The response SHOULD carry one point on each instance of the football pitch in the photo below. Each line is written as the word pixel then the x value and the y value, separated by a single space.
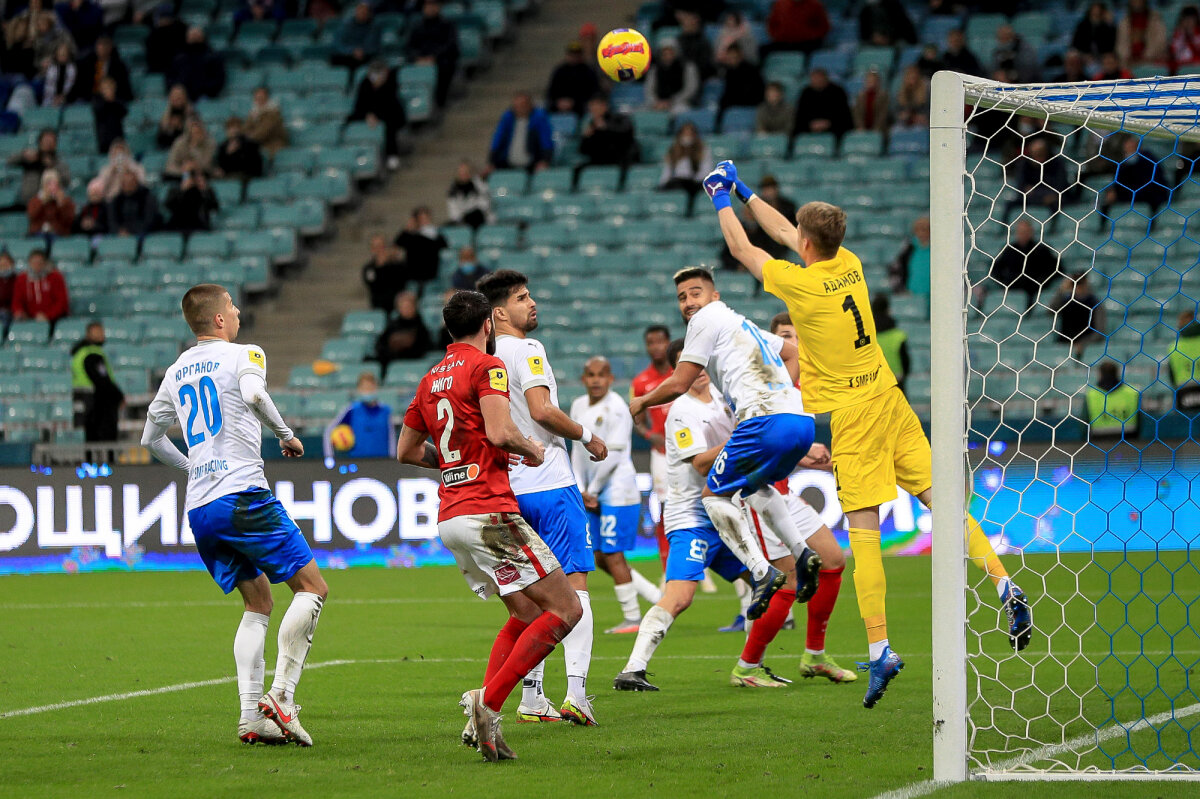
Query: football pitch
pixel 396 648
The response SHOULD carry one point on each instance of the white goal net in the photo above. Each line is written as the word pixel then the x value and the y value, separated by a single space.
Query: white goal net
pixel 1066 277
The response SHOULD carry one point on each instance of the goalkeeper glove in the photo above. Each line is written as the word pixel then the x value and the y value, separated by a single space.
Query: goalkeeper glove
pixel 717 184
pixel 744 192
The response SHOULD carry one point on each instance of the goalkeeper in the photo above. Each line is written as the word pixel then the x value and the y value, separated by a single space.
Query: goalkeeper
pixel 877 438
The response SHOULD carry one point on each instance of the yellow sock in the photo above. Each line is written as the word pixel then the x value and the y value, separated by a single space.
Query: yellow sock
pixel 980 551
pixel 870 583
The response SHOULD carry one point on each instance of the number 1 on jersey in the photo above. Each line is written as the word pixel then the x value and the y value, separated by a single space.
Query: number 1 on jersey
pixel 446 412
pixel 863 339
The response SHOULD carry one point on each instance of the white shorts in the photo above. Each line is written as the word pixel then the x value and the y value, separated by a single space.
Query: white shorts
pixel 497 553
pixel 807 522
pixel 658 474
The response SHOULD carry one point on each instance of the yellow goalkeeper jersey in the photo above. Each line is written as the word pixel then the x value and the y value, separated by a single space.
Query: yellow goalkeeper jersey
pixel 841 363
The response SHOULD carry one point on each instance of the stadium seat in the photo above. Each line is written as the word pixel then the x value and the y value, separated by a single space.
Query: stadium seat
pixel 738 120
pixel 344 349
pixel 552 181
pixel 497 236
pixel 363 323
pixel 163 245
pixel 641 178
pixel 508 182
pixel 879 59
pixel 769 145
pixel 705 120
pixel 72 248
pixel 599 179
pixel 863 143
pixel 651 123
pixel 117 248
pixel 667 203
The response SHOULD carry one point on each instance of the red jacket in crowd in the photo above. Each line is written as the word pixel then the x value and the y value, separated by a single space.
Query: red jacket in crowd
pixel 798 21
pixel 45 296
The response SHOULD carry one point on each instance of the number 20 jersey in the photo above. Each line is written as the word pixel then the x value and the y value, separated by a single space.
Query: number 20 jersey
pixel 224 437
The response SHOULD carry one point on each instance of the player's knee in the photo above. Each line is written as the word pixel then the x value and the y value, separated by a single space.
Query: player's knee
pixel 571 610
pixel 260 604
pixel 836 559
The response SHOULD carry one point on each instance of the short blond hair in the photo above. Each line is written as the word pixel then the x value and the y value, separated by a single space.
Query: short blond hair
pixel 824 225
pixel 201 304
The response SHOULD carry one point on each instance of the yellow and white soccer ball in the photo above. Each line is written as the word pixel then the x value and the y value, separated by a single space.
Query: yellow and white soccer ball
pixel 624 54
pixel 342 438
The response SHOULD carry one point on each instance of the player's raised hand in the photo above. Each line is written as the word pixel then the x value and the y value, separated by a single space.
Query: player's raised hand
pixel 597 448
pixel 717 185
pixel 292 448
pixel 744 192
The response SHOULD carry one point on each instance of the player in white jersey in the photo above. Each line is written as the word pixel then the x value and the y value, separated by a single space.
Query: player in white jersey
pixel 756 372
pixel 548 496
pixel 217 393
pixel 609 487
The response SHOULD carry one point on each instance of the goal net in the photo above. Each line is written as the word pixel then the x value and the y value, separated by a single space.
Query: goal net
pixel 1066 276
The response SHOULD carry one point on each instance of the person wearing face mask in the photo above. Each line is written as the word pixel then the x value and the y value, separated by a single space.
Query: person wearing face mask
pixel 371 421
pixel 377 103
pixel 98 399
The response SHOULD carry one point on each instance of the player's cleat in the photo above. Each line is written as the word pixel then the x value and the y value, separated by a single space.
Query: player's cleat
pixel 808 575
pixel 824 666
pixel 757 677
pixel 260 731
pixel 543 712
pixel 1020 617
pixel 789 624
pixel 775 676
pixel 579 711
pixel 764 589
pixel 627 626
pixel 738 625
pixel 503 751
pixel 468 734
pixel 286 717
pixel 882 672
pixel 633 681
pixel 485 720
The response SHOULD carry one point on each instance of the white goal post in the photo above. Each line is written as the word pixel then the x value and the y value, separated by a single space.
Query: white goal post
pixel 1095 528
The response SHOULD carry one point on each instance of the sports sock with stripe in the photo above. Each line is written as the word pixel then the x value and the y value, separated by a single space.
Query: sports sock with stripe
pixel 627 598
pixel 771 506
pixel 767 626
pixel 654 628
pixel 820 608
pixel 295 640
pixel 531 648
pixel 577 649
pixel 531 687
pixel 248 647
pixel 733 532
pixel 502 647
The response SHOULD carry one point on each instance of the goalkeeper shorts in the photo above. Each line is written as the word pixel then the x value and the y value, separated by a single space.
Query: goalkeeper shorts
pixel 877 445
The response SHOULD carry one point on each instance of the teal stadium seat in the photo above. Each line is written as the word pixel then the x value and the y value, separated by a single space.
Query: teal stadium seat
pixel 163 245
pixel 117 248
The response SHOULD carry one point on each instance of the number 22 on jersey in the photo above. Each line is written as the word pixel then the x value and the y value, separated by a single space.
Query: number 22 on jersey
pixel 199 400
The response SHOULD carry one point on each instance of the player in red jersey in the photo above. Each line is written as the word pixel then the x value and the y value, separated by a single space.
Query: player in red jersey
pixel 652 424
pixel 462 405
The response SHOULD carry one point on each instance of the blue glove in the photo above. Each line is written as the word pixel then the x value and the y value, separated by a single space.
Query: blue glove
pixel 717 184
pixel 744 192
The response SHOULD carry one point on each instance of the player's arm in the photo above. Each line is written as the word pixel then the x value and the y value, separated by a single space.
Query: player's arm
pixel 668 390
pixel 552 417
pixel 776 225
pixel 502 431
pixel 704 461
pixel 739 244
pixel 791 359
pixel 254 394
pixel 154 437
pixel 413 449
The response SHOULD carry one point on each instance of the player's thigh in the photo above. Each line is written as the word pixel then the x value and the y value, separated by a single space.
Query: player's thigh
pixel 272 541
pixel 595 522
pixel 761 451
pixel 560 520
pixel 863 448
pixel 914 459
pixel 768 540
pixel 497 553
pixel 215 537
pixel 824 544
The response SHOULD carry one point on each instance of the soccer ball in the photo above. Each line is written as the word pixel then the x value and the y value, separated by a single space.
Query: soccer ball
pixel 342 437
pixel 624 54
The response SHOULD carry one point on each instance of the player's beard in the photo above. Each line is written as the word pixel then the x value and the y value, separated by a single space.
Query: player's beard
pixel 531 324
pixel 489 346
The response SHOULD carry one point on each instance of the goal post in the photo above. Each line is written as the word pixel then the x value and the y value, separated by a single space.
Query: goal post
pixel 1072 442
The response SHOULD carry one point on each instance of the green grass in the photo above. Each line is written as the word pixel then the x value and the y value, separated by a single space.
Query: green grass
pixel 387 723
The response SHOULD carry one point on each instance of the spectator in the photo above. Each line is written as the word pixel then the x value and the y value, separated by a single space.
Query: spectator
pixel 735 30
pixel 1138 179
pixel 260 11
pixel 22 37
pixel 377 102
pixel 8 284
pixel 109 113
pixel 1111 69
pixel 51 212
pixel 958 57
pixel 1041 179
pixel 174 118
pixel 92 219
pixel 1141 35
pixel 797 25
pixel 58 78
pixel 194 146
pixel 1185 41
pixel 358 40
pixel 264 123
pixel 40 292
pixel 607 135
pixel 119 160
pixel 912 99
pixel 34 162
pixel 469 270
pixel 93 387
pixel 468 202
pixel 197 67
pixel 671 82
pixel 775 114
pixel 523 138
pixel 1074 68
pixel 687 161
pixel 892 340
pixel 406 337
pixel 883 23
pixel 1078 313
pixel 371 421
pixel 83 19
pixel 1182 364
pixel 166 39
pixel 423 245
pixel 383 274
pixel 872 106
pixel 1025 264
pixel 433 39
pixel 1095 34
pixel 693 43
pixel 1112 405
pixel 238 156
pixel 743 81
pixel 50 36
pixel 930 61
pixel 572 83
pixel 103 62
pixel 823 107
pixel 589 40
pixel 1014 57
pixel 909 271
pixel 134 211
pixel 192 203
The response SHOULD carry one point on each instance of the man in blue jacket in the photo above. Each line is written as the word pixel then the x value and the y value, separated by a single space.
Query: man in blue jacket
pixel 371 421
pixel 523 137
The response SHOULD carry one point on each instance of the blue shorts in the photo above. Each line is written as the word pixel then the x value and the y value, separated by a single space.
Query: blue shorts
pixel 697 548
pixel 558 517
pixel 614 528
pixel 240 536
pixel 761 451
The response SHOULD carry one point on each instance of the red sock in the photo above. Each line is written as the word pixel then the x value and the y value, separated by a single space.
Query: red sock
pixel 530 649
pixel 503 647
pixel 768 626
pixel 820 608
pixel 664 545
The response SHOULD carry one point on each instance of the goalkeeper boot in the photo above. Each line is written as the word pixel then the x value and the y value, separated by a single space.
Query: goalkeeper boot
pixel 486 721
pixel 808 574
pixel 756 677
pixel 763 590
pixel 286 717
pixel 1020 617
pixel 882 672
pixel 633 681
pixel 823 666
pixel 260 731
pixel 535 713
pixel 579 711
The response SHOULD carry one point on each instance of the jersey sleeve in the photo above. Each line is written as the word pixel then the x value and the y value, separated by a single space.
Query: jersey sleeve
pixel 252 361
pixel 773 341
pixel 775 275
pixel 530 366
pixel 413 417
pixel 491 377
pixel 620 432
pixel 685 435
pixel 162 409
pixel 700 340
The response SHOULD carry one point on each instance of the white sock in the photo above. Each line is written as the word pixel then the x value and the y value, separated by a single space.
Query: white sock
pixel 808 651
pixel 627 598
pixel 646 589
pixel 876 649
pixel 1002 586
pixel 745 594
pixel 744 665
pixel 295 639
pixel 791 615
pixel 577 649
pixel 248 647
pixel 531 686
pixel 654 628
pixel 734 533
pixel 770 505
